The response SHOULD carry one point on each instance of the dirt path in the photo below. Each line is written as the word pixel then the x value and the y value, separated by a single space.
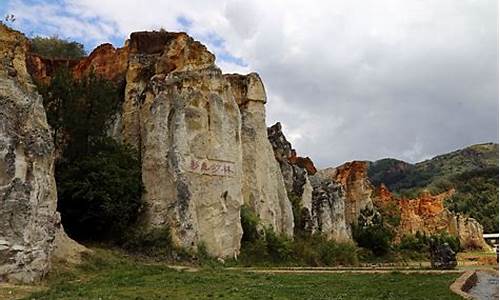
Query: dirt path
pixel 14 291
pixel 486 287
pixel 345 270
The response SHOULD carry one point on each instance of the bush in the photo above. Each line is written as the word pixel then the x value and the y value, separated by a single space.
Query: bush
pixel 156 242
pixel 279 247
pixel 98 180
pixel 371 233
pixel 417 243
pixel 100 193
pixel 420 243
pixel 249 223
pixel 56 48
pixel 271 249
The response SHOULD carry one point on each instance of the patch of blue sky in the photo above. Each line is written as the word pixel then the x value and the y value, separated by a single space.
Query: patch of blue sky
pixel 184 22
pixel 217 43
pixel 229 58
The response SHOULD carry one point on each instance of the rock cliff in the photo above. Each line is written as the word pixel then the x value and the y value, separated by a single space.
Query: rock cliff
pixel 201 137
pixel 29 223
pixel 427 214
pixel 321 198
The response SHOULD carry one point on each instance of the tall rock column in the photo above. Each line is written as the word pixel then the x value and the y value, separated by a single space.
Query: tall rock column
pixel 28 199
pixel 181 114
pixel 263 186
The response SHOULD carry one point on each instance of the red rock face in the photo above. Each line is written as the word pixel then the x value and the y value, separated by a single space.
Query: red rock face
pixel 42 69
pixel 353 177
pixel 351 172
pixel 105 61
pixel 427 214
pixel 303 162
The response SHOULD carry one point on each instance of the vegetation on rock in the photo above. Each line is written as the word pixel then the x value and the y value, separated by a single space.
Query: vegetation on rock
pixel 98 180
pixel 56 48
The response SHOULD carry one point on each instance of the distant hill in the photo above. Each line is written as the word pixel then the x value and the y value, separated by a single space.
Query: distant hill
pixel 472 171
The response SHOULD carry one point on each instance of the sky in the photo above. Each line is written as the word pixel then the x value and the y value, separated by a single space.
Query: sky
pixel 348 80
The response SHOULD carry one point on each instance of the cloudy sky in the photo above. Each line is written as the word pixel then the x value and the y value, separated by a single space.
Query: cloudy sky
pixel 348 79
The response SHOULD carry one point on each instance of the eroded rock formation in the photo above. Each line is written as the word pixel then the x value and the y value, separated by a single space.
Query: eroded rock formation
pixel 29 222
pixel 352 177
pixel 262 183
pixel 295 172
pixel 201 136
pixel 322 199
pixel 426 214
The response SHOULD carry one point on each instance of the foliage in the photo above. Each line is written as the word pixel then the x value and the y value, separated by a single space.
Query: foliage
pixel 472 172
pixel 477 195
pixel 270 249
pixel 154 243
pixel 249 223
pixel 79 110
pixel 299 216
pixel 420 242
pixel 99 193
pixel 372 233
pixel 56 48
pixel 279 247
pixel 98 180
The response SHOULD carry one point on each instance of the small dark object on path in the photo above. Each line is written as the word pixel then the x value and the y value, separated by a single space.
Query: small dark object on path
pixel 442 256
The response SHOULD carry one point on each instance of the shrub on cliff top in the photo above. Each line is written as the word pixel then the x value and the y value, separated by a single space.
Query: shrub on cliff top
pixel 56 48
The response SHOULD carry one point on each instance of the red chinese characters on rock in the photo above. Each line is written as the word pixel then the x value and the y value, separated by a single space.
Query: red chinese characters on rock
pixel 210 167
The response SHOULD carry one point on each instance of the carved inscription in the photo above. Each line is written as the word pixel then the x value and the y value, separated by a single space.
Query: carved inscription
pixel 210 167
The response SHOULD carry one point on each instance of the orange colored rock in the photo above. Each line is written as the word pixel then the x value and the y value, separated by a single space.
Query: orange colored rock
pixel 427 214
pixel 42 69
pixel 353 178
pixel 105 61
pixel 303 162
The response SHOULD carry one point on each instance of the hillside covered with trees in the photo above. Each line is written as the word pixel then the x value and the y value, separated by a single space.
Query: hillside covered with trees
pixel 472 172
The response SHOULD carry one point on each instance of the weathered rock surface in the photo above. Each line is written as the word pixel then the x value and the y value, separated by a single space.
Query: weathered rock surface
pixel 352 177
pixel 339 196
pixel 328 209
pixel 427 214
pixel 295 172
pixel 29 221
pixel 201 136
pixel 321 198
pixel 263 186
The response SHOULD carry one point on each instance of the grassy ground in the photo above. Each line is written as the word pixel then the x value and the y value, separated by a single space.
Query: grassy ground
pixel 110 276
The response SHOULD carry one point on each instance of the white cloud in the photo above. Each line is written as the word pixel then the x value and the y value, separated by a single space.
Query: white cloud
pixel 347 79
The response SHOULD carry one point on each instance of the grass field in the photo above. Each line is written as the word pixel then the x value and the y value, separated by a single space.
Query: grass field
pixel 110 276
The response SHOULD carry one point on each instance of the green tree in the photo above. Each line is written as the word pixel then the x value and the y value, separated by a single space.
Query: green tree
pixel 100 192
pixel 56 48
pixel 98 180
